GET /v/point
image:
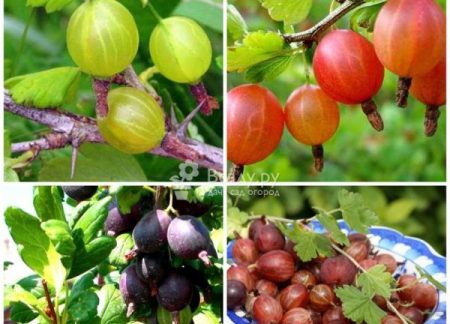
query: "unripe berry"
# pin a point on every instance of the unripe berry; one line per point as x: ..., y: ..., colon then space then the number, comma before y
x: 102, y: 37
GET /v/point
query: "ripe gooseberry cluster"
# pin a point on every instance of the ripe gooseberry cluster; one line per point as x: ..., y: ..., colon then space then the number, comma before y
x: 151, y: 278
x: 103, y: 39
x: 350, y: 70
x: 271, y: 284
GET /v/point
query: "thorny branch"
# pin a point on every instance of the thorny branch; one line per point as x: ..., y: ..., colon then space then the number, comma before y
x: 69, y: 129
x: 312, y: 34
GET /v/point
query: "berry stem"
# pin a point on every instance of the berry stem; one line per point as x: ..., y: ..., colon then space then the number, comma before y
x: 431, y: 119
x: 312, y: 34
x: 403, y: 86
x: 207, y: 103
x: 154, y: 12
x: 235, y: 173
x: 317, y: 151
x: 369, y: 107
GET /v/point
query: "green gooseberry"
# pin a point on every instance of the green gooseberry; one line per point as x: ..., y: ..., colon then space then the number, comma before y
x: 180, y: 49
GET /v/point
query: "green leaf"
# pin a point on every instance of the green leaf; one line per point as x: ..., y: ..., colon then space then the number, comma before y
x: 21, y: 313
x: 9, y: 174
x: 236, y: 221
x: 256, y: 47
x: 18, y: 294
x: 331, y: 225
x: 210, y: 195
x: 83, y: 302
x: 59, y: 233
x: 127, y: 197
x: 50, y: 5
x: 269, y: 69
x: 164, y: 316
x: 366, y: 15
x: 35, y: 248
x: 308, y: 244
x: 206, y: 13
x: 125, y: 244
x: 95, y: 162
x: 355, y: 212
x: 92, y: 220
x: 376, y: 281
x: 291, y: 12
x: 47, y: 89
x: 88, y: 256
x: 111, y: 308
x: 236, y: 26
x: 399, y: 210
x: 47, y: 202
x: 79, y: 211
x: 358, y: 306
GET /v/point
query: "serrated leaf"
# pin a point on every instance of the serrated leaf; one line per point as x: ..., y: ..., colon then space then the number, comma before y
x: 46, y: 89
x: 365, y: 16
x: 111, y: 308
x: 236, y: 221
x: 308, y: 244
x: 256, y: 47
x: 59, y: 233
x: 355, y: 212
x: 95, y: 162
x: 332, y: 226
x: 291, y: 12
x: 236, y: 26
x: 269, y: 69
x: 125, y: 244
x: 47, y: 202
x: 376, y: 281
x: 35, y: 248
x: 358, y: 306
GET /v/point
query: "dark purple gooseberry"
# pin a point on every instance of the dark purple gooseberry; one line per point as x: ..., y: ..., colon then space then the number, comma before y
x: 79, y: 193
x: 116, y: 223
x: 236, y: 294
x: 185, y: 207
x: 151, y: 268
x: 175, y: 292
x: 269, y: 238
x: 150, y: 233
x: 189, y: 239
x: 134, y: 291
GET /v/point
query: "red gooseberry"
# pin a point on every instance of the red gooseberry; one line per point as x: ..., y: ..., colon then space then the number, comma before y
x: 312, y: 118
x: 255, y: 123
x: 430, y: 89
x: 348, y: 70
x: 409, y: 39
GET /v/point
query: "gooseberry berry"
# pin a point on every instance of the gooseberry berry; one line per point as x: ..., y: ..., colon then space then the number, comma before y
x: 267, y: 310
x: 255, y: 123
x: 312, y: 118
x: 134, y: 122
x: 269, y: 238
x: 293, y: 296
x: 409, y: 39
x: 430, y: 89
x: 236, y: 294
x: 305, y: 278
x: 241, y: 273
x: 180, y: 49
x: 424, y: 296
x: 338, y: 271
x: 244, y: 252
x: 321, y: 297
x: 297, y: 315
x: 267, y: 287
x: 276, y: 266
x: 348, y: 70
x: 102, y: 37
x: 388, y: 260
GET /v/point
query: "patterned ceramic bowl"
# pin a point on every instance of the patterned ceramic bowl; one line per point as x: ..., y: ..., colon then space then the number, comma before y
x: 408, y: 251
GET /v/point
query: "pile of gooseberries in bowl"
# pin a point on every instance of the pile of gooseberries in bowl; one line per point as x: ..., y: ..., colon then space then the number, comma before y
x: 381, y: 276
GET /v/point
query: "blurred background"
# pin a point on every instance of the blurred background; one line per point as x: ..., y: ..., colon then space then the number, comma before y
x: 356, y: 152
x: 45, y: 47
x: 414, y: 211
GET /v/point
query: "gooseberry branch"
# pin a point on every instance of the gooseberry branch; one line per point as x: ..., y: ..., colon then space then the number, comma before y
x: 69, y: 129
x: 312, y: 34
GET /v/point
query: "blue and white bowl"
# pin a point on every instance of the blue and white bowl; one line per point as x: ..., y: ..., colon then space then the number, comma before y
x: 408, y: 251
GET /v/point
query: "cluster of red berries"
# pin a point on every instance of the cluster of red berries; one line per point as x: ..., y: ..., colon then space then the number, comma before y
x: 408, y: 39
x: 272, y: 285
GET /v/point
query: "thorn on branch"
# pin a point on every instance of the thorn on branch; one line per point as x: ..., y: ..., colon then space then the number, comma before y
x: 182, y: 128
x: 206, y: 102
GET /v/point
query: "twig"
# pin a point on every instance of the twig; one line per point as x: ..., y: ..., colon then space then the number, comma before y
x: 68, y: 128
x: 312, y: 34
x: 51, y: 308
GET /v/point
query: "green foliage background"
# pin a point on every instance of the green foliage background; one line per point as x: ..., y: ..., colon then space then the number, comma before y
x: 45, y: 48
x: 414, y: 211
x: 356, y: 152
